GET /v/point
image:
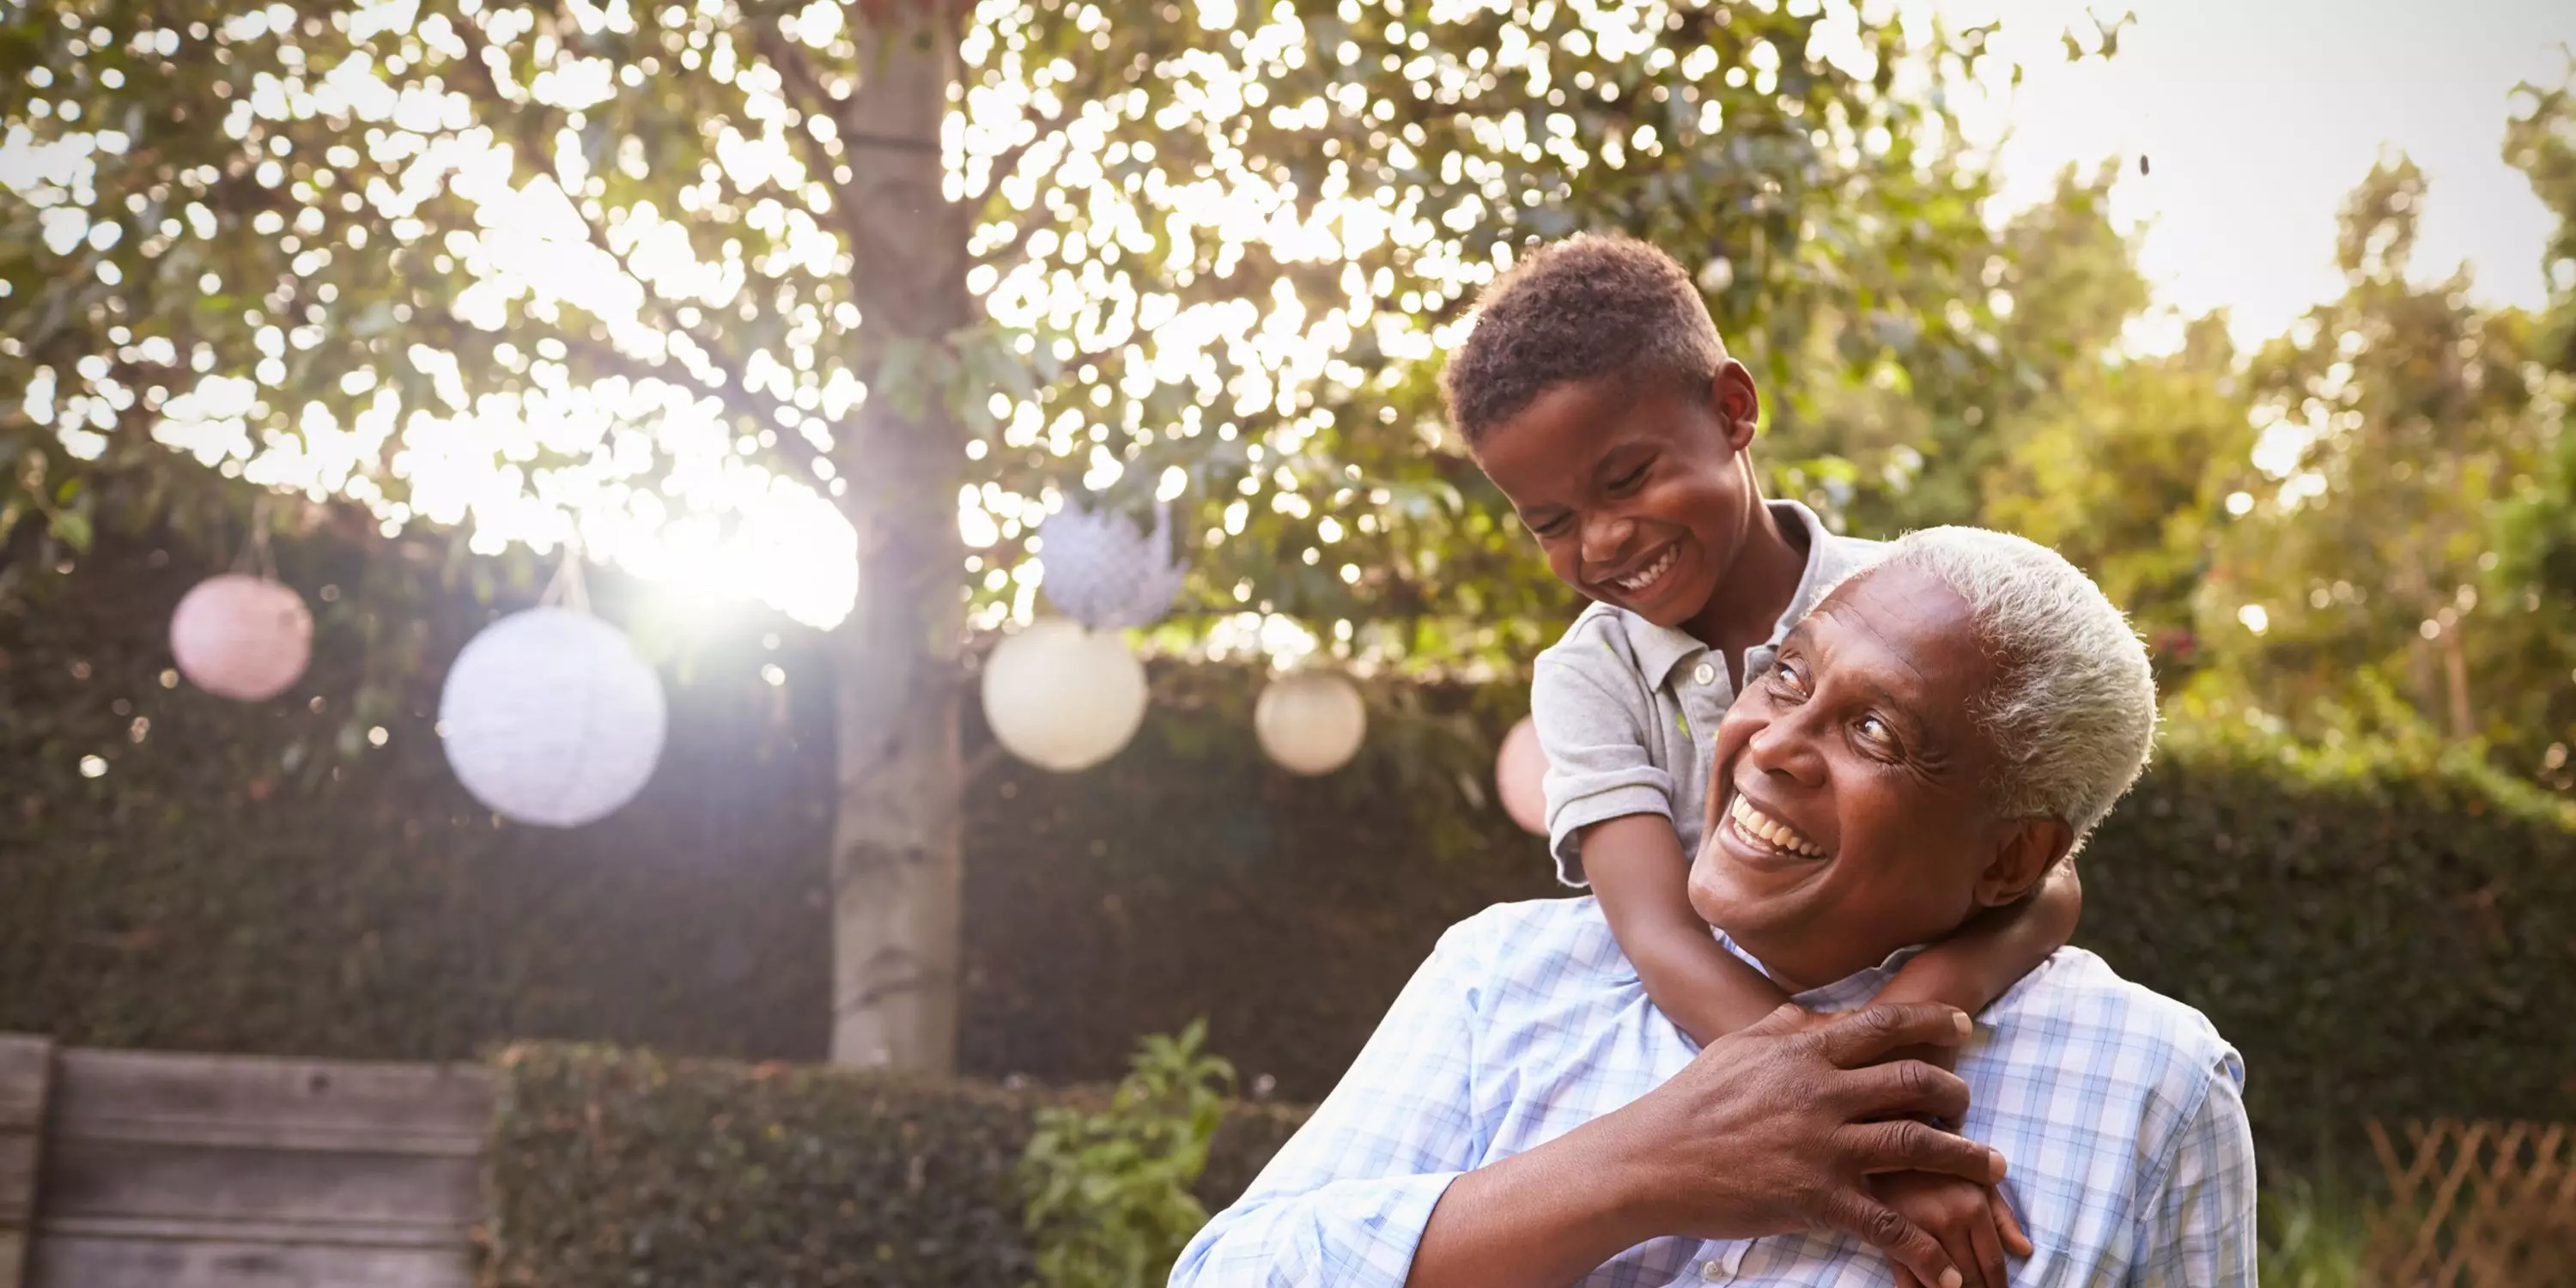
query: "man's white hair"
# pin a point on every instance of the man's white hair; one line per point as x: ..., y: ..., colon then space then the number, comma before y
x: 2072, y: 710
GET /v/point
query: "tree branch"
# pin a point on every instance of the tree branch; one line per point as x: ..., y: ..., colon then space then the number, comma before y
x: 737, y: 397
x: 1008, y: 163
x: 804, y: 91
x: 1009, y: 250
x: 796, y: 73
x: 605, y: 358
x: 478, y: 65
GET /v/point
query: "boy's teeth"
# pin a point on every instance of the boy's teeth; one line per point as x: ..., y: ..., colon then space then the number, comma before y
x: 1646, y: 576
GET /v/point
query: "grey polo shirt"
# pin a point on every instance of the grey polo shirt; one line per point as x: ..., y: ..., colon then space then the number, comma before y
x: 1627, y: 711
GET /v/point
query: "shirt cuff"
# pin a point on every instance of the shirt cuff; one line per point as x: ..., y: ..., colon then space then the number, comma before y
x: 1565, y: 826
x: 1353, y: 1234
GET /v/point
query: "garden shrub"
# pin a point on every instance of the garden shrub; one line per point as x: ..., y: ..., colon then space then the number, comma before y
x: 1111, y: 1192
x: 620, y: 1169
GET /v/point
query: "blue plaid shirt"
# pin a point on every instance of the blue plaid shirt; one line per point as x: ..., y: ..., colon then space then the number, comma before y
x: 2118, y: 1109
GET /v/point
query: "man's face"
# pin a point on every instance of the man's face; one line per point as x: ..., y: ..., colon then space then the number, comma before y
x: 1847, y: 814
x: 1638, y: 497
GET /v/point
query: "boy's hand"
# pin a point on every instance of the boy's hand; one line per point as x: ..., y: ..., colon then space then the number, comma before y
x: 1970, y: 1221
x: 1806, y: 1021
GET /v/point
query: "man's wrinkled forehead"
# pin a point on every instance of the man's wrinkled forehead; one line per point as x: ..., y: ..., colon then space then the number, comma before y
x: 1903, y: 620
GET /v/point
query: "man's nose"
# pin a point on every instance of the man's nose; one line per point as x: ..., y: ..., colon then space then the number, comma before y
x: 1788, y: 745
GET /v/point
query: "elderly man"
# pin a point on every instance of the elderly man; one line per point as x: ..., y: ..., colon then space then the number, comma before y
x: 1944, y: 727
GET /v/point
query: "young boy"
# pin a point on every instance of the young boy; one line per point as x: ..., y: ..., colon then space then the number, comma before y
x: 1595, y: 392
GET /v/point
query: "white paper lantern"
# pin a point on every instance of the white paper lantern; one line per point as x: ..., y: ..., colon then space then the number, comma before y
x: 1062, y: 697
x: 551, y: 719
x: 242, y: 637
x: 1520, y: 775
x: 1107, y: 573
x: 1310, y: 722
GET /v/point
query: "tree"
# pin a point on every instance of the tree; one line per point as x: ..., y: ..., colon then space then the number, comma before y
x: 1923, y: 442
x: 2535, y: 531
x: 2395, y: 419
x: 2130, y: 472
x: 942, y: 268
x: 2123, y: 462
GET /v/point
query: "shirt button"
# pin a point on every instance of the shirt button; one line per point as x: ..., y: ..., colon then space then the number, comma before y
x: 1706, y: 674
x: 1712, y: 1269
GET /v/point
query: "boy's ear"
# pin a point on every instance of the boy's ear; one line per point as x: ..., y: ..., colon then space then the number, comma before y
x: 2025, y: 849
x: 1738, y: 403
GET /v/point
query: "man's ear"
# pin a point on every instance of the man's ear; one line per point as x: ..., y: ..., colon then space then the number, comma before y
x: 1738, y: 403
x: 2025, y: 849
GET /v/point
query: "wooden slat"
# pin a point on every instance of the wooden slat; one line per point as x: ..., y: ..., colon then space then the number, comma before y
x: 186, y: 1171
x: 128, y: 1263
x: 104, y: 1091
x: 18, y: 1151
x: 112, y: 1180
x: 24, y: 1064
x: 332, y: 1231
x: 26, y: 1068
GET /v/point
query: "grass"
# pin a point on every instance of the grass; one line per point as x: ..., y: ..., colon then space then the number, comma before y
x: 2311, y: 1236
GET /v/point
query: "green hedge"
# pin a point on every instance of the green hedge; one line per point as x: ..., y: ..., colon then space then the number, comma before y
x: 2379, y: 937
x: 612, y: 1169
x: 2380, y: 934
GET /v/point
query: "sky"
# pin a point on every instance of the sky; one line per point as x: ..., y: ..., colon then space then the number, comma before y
x: 2257, y: 116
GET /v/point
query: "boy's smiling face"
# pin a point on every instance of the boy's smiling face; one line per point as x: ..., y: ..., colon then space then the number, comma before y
x: 1639, y: 497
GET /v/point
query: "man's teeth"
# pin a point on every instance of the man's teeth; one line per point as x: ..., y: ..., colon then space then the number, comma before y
x: 1646, y: 576
x: 1754, y: 825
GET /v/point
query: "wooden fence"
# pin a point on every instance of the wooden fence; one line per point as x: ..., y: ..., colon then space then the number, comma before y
x: 26, y: 1069
x: 2476, y: 1205
x: 142, y: 1170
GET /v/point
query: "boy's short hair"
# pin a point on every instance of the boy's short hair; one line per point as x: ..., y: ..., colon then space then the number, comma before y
x: 1591, y: 307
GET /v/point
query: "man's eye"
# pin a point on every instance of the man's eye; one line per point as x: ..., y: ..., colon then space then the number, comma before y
x: 1875, y: 732
x: 1628, y: 480
x: 1785, y: 678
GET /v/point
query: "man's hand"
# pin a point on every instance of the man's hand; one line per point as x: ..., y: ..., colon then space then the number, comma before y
x: 1970, y: 1221
x: 1781, y: 1126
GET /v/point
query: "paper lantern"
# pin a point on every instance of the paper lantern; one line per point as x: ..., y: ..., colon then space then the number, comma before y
x: 1310, y: 722
x: 1062, y: 697
x: 1107, y: 573
x: 241, y: 637
x: 551, y: 719
x: 1520, y: 774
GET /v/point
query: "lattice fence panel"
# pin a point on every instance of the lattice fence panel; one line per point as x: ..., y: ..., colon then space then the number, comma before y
x: 2475, y: 1205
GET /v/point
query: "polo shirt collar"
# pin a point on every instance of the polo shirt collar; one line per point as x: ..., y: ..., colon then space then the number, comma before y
x: 1662, y: 649
x: 1853, y: 990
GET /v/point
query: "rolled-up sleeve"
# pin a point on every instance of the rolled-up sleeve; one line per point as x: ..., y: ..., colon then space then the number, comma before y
x: 1345, y: 1201
x: 2196, y: 1228
x: 1598, y: 767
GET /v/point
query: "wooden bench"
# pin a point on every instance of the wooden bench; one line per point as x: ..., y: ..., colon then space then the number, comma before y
x: 26, y: 1066
x: 191, y: 1171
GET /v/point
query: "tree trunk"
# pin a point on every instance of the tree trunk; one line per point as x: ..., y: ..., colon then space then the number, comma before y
x: 2455, y: 675
x: 896, y: 856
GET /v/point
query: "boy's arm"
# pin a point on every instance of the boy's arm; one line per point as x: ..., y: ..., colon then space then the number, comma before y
x: 1990, y: 954
x: 1969, y: 970
x: 1643, y: 881
x: 1609, y: 815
